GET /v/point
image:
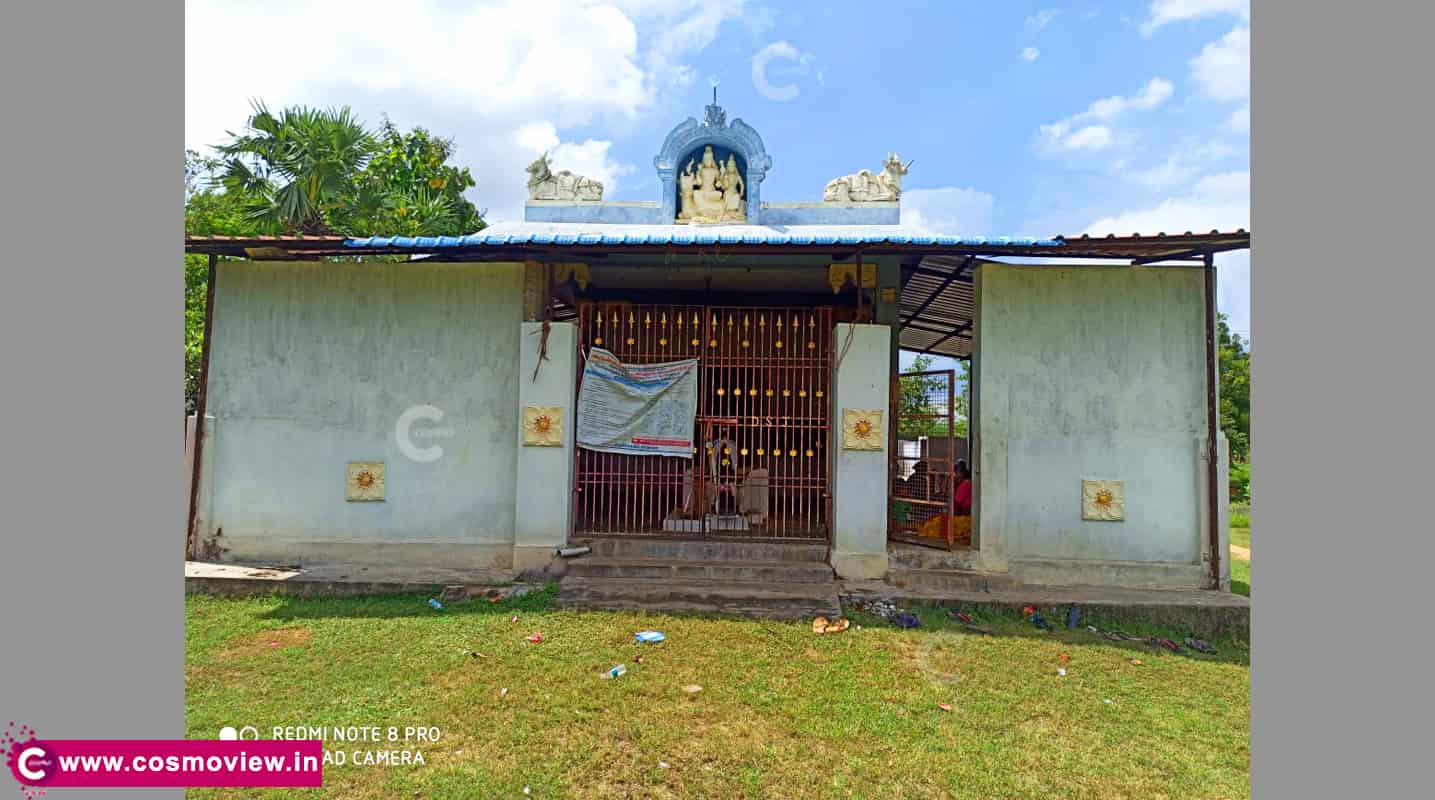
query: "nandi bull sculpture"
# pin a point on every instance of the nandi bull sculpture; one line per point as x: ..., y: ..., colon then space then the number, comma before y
x: 864, y: 187
x: 545, y: 184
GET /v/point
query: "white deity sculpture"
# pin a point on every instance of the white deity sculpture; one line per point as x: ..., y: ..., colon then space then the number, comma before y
x: 711, y: 191
x: 545, y: 184
x: 864, y: 187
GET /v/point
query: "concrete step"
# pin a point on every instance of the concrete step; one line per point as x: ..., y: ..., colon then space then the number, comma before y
x: 691, y: 550
x: 940, y: 580
x: 741, y: 598
x: 902, y: 555
x: 772, y: 573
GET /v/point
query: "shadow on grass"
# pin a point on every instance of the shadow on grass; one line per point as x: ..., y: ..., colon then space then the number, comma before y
x: 396, y: 606
x: 1004, y: 623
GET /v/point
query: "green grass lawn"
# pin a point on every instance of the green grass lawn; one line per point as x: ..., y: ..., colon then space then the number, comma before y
x: 782, y: 712
x: 1240, y: 567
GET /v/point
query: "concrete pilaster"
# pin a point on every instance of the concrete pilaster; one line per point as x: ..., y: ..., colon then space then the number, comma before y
x: 863, y: 366
x: 543, y: 512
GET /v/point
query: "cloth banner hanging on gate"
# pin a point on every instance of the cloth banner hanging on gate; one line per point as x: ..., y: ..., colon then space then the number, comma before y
x: 637, y: 409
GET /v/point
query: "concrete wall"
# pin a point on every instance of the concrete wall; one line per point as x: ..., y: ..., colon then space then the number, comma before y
x: 648, y: 212
x: 544, y: 500
x: 831, y: 213
x: 605, y: 212
x: 1090, y: 373
x: 313, y: 365
x: 859, y: 477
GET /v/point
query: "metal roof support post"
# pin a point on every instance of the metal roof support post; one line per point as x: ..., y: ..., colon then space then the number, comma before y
x: 1212, y: 428
x: 201, y: 406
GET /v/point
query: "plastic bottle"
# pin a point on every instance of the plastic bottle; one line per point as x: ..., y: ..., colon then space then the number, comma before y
x: 435, y: 605
x: 617, y: 671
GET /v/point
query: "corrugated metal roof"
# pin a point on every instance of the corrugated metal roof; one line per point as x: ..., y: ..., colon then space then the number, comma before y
x: 574, y: 233
x: 526, y: 240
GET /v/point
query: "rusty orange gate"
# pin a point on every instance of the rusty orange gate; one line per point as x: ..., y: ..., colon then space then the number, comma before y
x: 922, y: 475
x: 759, y: 467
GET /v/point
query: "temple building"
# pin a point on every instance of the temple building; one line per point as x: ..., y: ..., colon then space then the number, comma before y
x: 704, y: 388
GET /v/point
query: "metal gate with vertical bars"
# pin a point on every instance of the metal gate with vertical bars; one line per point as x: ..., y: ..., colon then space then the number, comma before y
x: 921, y: 475
x: 760, y: 462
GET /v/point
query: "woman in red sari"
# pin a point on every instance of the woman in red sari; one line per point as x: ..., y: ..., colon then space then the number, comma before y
x: 962, y: 499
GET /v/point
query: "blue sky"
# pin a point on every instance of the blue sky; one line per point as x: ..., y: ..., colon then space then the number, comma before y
x: 1023, y: 118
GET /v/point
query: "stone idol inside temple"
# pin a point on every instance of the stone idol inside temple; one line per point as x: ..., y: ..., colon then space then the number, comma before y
x: 711, y: 172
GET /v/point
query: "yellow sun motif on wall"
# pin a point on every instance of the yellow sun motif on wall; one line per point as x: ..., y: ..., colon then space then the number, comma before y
x: 1103, y: 500
x: 365, y: 481
x: 862, y: 429
x: 543, y: 426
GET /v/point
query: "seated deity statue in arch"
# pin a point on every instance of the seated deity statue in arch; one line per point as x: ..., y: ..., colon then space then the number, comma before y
x: 732, y: 188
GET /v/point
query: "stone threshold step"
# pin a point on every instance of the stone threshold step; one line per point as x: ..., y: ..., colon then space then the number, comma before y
x: 769, y: 572
x: 705, y: 550
x: 752, y: 599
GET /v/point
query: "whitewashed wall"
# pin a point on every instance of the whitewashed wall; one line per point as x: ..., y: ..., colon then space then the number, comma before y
x: 312, y: 366
x: 1091, y: 372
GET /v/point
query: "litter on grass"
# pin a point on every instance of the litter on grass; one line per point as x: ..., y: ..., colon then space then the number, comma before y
x: 692, y: 688
x: 616, y: 672
x: 435, y: 604
x: 907, y: 620
x: 536, y: 638
x: 1200, y: 646
x: 650, y: 636
x: 945, y: 707
x: 825, y: 625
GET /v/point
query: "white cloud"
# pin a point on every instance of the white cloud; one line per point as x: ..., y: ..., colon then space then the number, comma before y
x: 1223, y: 68
x: 1219, y: 201
x: 1075, y: 132
x: 589, y: 158
x: 780, y: 50
x: 1092, y: 137
x: 491, y: 75
x: 1239, y: 122
x: 1158, y: 91
x: 1030, y: 54
x: 1040, y: 19
x: 1189, y: 158
x: 1165, y: 12
x: 947, y: 210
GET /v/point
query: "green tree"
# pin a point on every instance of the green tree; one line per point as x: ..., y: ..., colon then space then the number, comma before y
x: 207, y: 212
x: 296, y: 168
x: 922, y: 400
x: 410, y: 189
x: 1234, y: 362
x: 316, y: 171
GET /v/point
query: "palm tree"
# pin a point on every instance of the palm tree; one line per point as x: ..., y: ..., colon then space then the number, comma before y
x: 296, y: 166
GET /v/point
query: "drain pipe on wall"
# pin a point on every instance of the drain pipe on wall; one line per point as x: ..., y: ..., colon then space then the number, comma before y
x: 1213, y: 450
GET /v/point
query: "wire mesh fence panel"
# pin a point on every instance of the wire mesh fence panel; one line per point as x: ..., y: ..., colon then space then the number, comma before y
x: 923, y: 477
x: 759, y: 464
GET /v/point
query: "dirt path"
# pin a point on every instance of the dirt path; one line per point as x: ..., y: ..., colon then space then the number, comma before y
x: 1243, y: 553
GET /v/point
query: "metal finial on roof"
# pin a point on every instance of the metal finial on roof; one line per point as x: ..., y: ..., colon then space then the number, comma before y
x: 715, y: 117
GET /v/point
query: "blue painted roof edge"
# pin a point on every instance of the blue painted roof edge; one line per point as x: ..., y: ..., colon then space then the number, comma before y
x: 694, y: 238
